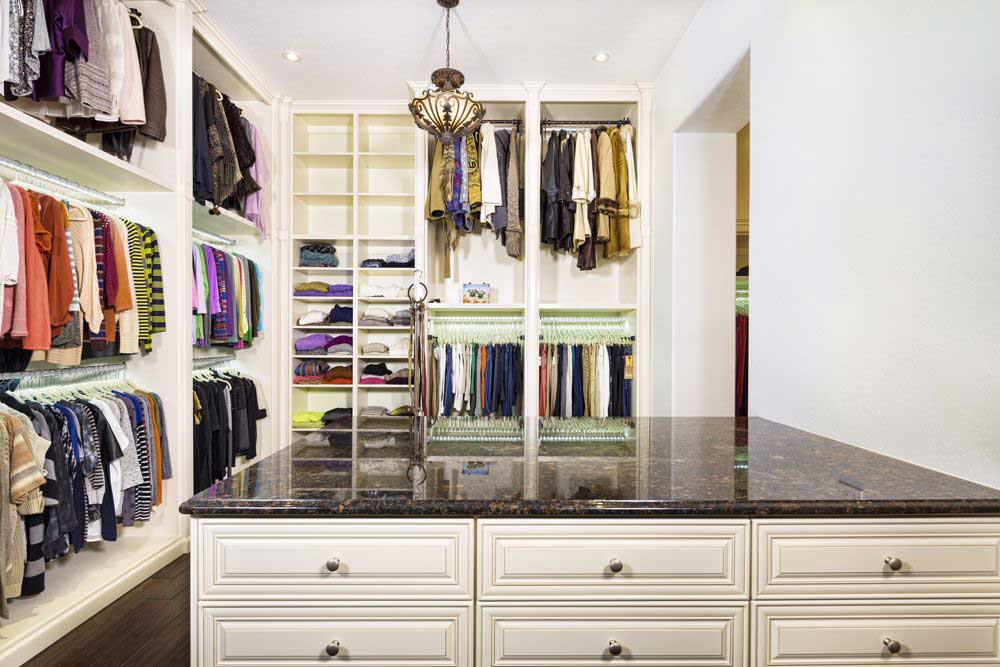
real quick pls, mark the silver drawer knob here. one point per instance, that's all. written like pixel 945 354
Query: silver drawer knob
pixel 333 648
pixel 892 645
pixel 615 565
pixel 894 563
pixel 614 648
pixel 333 564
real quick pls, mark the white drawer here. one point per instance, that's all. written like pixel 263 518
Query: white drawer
pixel 831 559
pixel 375 559
pixel 542 635
pixel 572 559
pixel 958 635
pixel 374 635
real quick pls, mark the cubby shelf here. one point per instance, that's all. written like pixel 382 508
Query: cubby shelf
pixel 324 299
pixel 354 186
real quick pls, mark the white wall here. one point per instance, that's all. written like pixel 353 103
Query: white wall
pixel 703 285
pixel 876 217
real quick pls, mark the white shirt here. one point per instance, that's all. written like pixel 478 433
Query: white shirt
pixel 583 187
pixel 634 222
pixel 10 258
pixel 489 169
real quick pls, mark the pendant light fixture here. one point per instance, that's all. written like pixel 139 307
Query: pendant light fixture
pixel 447 112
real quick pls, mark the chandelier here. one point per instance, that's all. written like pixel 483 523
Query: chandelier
pixel 445 111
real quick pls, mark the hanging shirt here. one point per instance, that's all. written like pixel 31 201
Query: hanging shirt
pixel 10 257
pixel 490 169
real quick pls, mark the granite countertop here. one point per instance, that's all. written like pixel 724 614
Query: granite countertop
pixel 655 467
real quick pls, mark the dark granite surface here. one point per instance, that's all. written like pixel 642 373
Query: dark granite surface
pixel 645 467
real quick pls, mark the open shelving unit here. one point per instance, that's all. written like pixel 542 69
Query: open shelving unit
pixel 353 185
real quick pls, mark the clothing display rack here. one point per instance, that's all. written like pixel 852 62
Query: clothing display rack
pixel 515 122
pixel 558 124
pixel 209 363
pixel 210 238
pixel 82 192
pixel 38 379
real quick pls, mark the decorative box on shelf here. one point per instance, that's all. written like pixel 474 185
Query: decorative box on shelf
pixel 476 293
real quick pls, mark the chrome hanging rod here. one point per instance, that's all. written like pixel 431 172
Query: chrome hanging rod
pixel 203 363
pixel 37 379
pixel 86 193
pixel 212 238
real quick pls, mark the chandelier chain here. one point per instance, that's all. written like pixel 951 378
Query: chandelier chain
pixel 447 38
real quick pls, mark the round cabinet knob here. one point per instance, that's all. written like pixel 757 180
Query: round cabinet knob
pixel 615 565
pixel 614 648
pixel 333 564
pixel 891 645
pixel 894 563
pixel 333 648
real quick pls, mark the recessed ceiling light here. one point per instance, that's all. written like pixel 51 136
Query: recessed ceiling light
pixel 291 56
pixel 602 57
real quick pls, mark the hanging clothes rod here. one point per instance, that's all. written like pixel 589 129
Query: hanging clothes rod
pixel 37 379
pixel 578 123
pixel 212 238
pixel 204 363
pixel 87 193
pixel 517 122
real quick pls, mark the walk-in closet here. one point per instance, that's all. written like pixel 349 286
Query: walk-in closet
pixel 126 344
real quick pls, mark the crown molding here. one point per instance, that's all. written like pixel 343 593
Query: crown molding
pixel 350 106
pixel 590 92
pixel 207 29
pixel 484 92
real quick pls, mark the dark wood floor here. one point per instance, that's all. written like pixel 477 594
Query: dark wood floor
pixel 147 626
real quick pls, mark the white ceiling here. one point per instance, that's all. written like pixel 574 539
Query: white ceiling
pixel 369 49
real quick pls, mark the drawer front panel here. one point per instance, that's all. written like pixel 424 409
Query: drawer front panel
pixel 334 559
pixel 578 559
pixel 877 559
pixel 583 636
pixel 392 636
pixel 841 636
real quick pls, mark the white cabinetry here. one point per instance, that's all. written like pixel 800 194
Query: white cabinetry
pixel 581 592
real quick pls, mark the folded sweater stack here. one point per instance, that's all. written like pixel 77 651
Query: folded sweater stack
pixel 318 254
pixel 321 343
pixel 320 288
pixel 341 315
pixel 310 371
pixel 339 375
pixel 375 374
pixel 401 318
pixel 307 419
pixel 375 317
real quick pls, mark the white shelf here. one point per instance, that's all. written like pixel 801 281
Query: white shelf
pixel 403 387
pixel 589 308
pixel 383 357
pixel 38 144
pixel 322 327
pixel 325 299
pixel 375 154
pixel 315 238
pixel 323 269
pixel 476 307
pixel 399 329
pixel 348 387
pixel 387 271
pixel 383 299
pixel 228 223
pixel 331 357
pixel 324 197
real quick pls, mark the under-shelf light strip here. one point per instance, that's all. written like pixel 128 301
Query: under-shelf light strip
pixel 212 238
pixel 85 193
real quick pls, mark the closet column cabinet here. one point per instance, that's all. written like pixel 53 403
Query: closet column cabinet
pixel 592 592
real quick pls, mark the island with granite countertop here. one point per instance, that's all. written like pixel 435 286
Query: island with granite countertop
pixel 684 541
